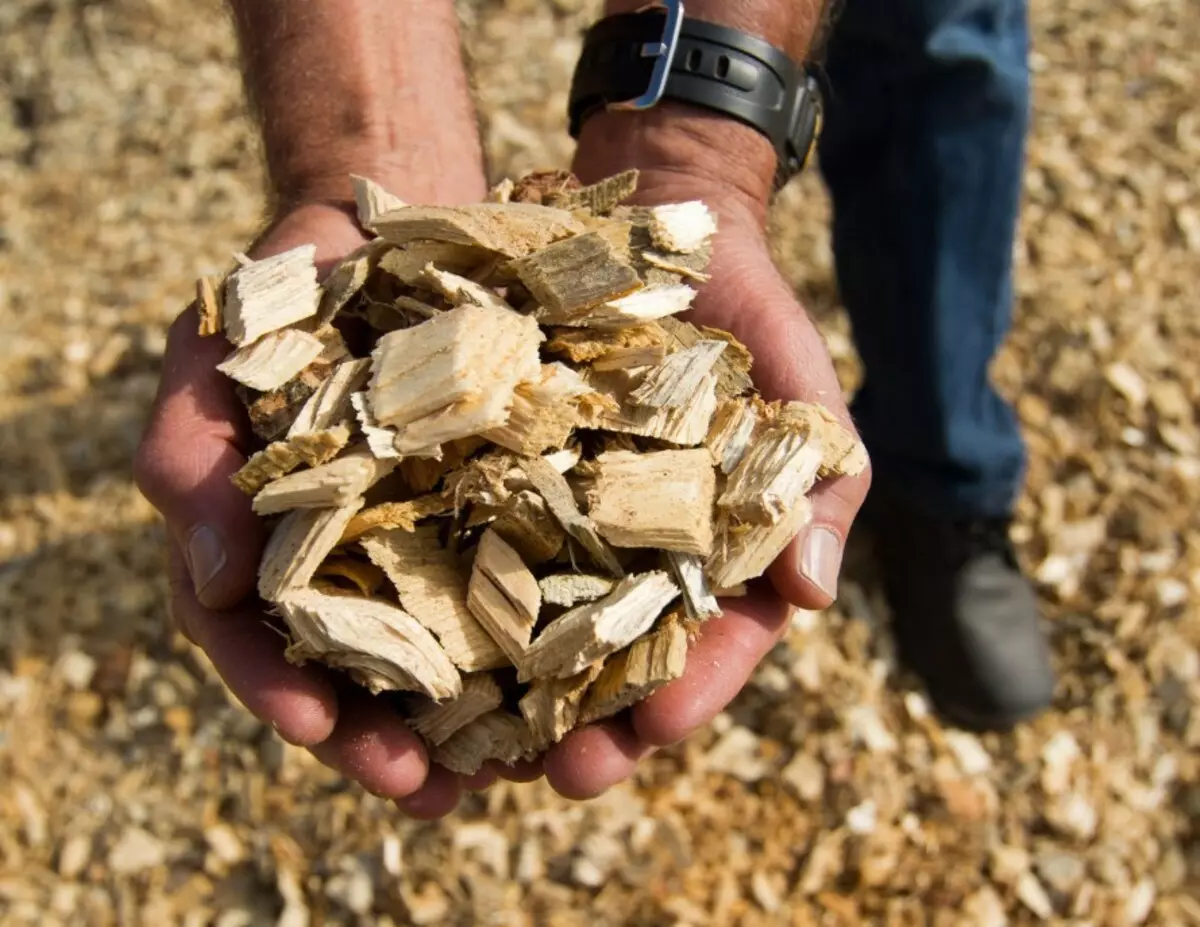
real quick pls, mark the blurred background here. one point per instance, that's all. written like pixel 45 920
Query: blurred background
pixel 136 793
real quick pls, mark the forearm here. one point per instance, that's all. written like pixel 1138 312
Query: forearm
pixel 692 143
pixel 373 87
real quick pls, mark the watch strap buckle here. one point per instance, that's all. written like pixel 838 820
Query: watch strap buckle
pixel 663 51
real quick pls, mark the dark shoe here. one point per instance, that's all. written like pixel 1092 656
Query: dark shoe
pixel 964 617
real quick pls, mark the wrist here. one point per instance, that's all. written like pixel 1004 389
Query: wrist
pixel 682 152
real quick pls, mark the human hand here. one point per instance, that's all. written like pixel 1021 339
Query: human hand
pixel 685 155
pixel 197 437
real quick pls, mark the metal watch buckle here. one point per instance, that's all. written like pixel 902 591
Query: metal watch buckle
pixel 664 51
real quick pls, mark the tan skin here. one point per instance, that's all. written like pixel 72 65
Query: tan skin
pixel 339 85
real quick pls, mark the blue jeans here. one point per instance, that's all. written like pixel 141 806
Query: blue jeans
pixel 922 152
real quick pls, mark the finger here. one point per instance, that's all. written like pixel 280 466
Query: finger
pixel 522 770
pixel 299 702
pixel 192 446
pixel 719 663
pixel 438 797
pixel 591 760
pixel 790 363
pixel 372 745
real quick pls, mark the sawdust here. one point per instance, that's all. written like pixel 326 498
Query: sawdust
pixel 136 793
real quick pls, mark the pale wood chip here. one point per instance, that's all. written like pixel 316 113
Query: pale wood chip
pixel 629 358
pixel 645 305
pixel 282 457
pixel 409 263
pixel 665 263
pixel 504 596
pixel 556 491
pixel 453 376
pixel 501 192
pixel 686 425
pixel 496 735
pixel 437 722
pixel 461 291
pixel 489 480
pixel 743 552
pixel 661 500
pixel 781 466
pixel 297 546
pixel 332 484
pixel 844 453
pixel 373 201
pixel 273 413
pixel 511 229
pixel 273 359
pixel 570 589
pixel 732 429
pixel 636 673
pixel 381 441
pixel 526 524
pixel 591 632
pixel 380 646
pixel 329 404
pixel 551 706
pixel 544 412
pixel 675 381
pixel 347 279
pixel 586 345
pixel 402 516
pixel 264 296
pixel 571 276
pixel 699 599
pixel 431 581
pixel 682 227
pixel 732 367
pixel 209 292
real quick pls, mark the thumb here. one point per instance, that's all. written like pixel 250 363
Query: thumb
pixel 191 448
pixel 748 296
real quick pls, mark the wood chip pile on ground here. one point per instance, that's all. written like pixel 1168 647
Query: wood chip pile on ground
pixel 503 477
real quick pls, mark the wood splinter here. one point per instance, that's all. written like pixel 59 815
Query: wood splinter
pixel 504 596
pixel 437 722
pixel 629 677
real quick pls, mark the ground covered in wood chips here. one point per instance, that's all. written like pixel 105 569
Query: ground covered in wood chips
pixel 135 793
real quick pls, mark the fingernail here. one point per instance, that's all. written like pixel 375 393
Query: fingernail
pixel 821 559
pixel 206 556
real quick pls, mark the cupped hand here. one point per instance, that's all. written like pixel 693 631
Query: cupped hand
pixel 748 297
pixel 197 437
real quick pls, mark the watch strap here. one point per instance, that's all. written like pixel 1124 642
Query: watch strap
pixel 712 66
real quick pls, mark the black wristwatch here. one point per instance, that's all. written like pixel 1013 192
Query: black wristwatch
pixel 634 60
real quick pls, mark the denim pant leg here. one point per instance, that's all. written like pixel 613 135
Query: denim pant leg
pixel 923 151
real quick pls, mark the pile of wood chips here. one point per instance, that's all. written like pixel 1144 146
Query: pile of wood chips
pixel 502 477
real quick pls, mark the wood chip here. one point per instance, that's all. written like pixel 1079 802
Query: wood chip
pixel 263 296
pixel 365 577
pixel 431 581
pixel 373 201
pixel 551 706
pixel 381 441
pixel 437 722
pixel 731 431
pixel 410 263
pixel 496 735
pixel 780 467
pixel 460 291
pixel 556 491
pixel 649 664
pixel 682 227
pixel 511 229
pixel 660 500
pixel 421 474
pixel 504 596
pixel 743 552
pixel 282 457
pixel 298 545
pixel 272 360
pixel 676 380
pixel 844 454
pixel 574 275
pixel 588 345
pixel 526 524
pixel 732 367
pixel 453 376
pixel 329 404
pixel 645 305
pixel 674 267
pixel 402 516
pixel 542 186
pixel 570 589
pixel 599 198
pixel 699 599
pixel 336 483
pixel 377 643
pixel 347 279
pixel 208 305
pixel 544 412
pixel 686 425
pixel 628 358
pixel 592 632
